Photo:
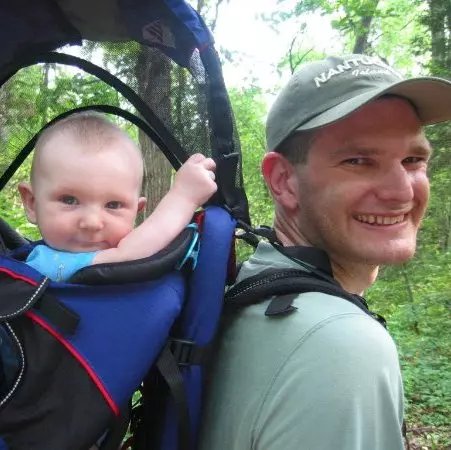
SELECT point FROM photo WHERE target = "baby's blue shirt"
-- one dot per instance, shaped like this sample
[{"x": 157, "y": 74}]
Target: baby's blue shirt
[{"x": 56, "y": 264}]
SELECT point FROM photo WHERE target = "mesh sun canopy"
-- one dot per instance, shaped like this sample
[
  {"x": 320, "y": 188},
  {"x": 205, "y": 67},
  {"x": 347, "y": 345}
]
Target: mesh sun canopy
[{"x": 151, "y": 62}]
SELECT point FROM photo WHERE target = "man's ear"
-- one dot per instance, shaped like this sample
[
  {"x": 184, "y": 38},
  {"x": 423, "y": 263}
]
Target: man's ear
[
  {"x": 142, "y": 202},
  {"x": 282, "y": 180},
  {"x": 28, "y": 201}
]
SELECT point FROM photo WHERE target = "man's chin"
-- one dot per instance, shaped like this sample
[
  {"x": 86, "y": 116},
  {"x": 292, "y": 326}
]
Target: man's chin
[{"x": 392, "y": 256}]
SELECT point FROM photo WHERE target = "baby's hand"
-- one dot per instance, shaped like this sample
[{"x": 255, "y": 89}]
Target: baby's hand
[{"x": 195, "y": 179}]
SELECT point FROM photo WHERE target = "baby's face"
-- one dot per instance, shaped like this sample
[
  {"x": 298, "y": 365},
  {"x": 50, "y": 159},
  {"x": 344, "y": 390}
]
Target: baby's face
[{"x": 85, "y": 200}]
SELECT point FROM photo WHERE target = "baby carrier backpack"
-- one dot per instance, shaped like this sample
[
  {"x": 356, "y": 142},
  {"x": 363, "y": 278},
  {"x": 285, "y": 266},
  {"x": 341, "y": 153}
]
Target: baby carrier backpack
[{"x": 114, "y": 357}]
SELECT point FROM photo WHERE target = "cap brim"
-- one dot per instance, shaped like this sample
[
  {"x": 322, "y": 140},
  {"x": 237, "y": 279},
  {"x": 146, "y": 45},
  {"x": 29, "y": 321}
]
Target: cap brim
[{"x": 430, "y": 96}]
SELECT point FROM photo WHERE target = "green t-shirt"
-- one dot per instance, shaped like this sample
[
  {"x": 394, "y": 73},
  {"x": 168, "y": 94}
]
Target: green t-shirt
[{"x": 326, "y": 377}]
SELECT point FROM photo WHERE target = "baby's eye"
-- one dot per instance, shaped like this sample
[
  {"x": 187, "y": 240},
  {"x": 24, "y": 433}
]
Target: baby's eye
[
  {"x": 68, "y": 200},
  {"x": 114, "y": 205}
]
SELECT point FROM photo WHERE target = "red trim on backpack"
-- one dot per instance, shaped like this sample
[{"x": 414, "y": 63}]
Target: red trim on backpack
[
  {"x": 18, "y": 277},
  {"x": 199, "y": 219},
  {"x": 79, "y": 358}
]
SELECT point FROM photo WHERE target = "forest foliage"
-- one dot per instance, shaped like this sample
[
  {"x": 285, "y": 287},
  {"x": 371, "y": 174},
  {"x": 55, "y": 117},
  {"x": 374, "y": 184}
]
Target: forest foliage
[{"x": 415, "y": 298}]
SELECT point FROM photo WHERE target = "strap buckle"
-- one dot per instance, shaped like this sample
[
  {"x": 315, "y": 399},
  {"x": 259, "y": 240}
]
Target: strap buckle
[{"x": 187, "y": 352}]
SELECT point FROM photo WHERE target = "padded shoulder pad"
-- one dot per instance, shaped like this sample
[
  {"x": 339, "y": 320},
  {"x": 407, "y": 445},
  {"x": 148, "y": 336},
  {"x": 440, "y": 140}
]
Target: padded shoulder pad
[
  {"x": 9, "y": 237},
  {"x": 139, "y": 270}
]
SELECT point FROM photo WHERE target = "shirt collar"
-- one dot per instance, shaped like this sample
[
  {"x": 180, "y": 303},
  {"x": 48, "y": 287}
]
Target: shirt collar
[{"x": 313, "y": 256}]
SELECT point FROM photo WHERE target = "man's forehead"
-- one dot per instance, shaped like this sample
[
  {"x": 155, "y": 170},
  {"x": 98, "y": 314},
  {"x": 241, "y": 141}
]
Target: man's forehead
[
  {"x": 374, "y": 122},
  {"x": 385, "y": 112}
]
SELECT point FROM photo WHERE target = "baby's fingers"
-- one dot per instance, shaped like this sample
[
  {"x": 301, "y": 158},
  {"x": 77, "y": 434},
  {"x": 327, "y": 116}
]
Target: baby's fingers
[
  {"x": 209, "y": 164},
  {"x": 196, "y": 158}
]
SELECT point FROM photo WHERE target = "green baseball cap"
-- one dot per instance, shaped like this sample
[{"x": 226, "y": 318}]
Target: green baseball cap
[{"x": 323, "y": 92}]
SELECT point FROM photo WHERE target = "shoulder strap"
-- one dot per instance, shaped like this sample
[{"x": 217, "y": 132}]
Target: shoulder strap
[{"x": 286, "y": 284}]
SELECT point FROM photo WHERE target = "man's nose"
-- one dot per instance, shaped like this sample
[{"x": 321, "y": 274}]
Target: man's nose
[
  {"x": 396, "y": 183},
  {"x": 91, "y": 220}
]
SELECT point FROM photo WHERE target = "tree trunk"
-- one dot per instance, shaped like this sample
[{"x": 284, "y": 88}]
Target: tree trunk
[
  {"x": 153, "y": 74},
  {"x": 414, "y": 324},
  {"x": 362, "y": 30},
  {"x": 439, "y": 23},
  {"x": 361, "y": 40},
  {"x": 44, "y": 93}
]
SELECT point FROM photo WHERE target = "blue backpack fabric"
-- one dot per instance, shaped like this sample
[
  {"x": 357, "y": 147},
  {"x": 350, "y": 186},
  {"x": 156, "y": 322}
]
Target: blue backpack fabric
[{"x": 193, "y": 341}]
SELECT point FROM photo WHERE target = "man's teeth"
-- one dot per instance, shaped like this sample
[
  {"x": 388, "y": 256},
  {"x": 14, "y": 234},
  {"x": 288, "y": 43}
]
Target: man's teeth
[{"x": 380, "y": 220}]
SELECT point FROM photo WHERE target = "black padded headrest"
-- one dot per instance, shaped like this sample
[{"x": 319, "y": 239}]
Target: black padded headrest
[
  {"x": 10, "y": 239},
  {"x": 139, "y": 270}
]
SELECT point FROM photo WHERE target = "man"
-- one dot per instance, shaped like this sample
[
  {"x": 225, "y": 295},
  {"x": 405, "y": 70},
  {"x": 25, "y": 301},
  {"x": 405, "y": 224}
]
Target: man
[{"x": 346, "y": 167}]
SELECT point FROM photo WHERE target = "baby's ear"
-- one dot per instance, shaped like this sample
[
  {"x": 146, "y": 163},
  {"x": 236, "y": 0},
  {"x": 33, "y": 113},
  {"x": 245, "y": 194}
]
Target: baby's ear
[
  {"x": 28, "y": 200},
  {"x": 142, "y": 202}
]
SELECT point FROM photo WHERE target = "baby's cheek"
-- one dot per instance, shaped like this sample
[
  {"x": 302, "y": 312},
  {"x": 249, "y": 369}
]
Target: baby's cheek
[{"x": 121, "y": 230}]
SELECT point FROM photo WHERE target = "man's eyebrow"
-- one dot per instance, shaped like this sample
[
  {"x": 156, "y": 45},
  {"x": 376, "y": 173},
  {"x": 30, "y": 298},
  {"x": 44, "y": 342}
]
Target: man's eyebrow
[
  {"x": 354, "y": 150},
  {"x": 423, "y": 150}
]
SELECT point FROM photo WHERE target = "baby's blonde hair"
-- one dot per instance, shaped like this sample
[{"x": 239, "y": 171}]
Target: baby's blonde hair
[{"x": 88, "y": 127}]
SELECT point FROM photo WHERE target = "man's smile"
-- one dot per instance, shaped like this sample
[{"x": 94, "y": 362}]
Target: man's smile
[{"x": 374, "y": 219}]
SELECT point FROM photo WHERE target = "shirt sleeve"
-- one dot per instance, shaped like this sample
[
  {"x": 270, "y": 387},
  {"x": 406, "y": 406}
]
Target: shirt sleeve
[{"x": 340, "y": 388}]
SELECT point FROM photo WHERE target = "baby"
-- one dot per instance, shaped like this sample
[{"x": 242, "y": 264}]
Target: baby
[{"x": 84, "y": 195}]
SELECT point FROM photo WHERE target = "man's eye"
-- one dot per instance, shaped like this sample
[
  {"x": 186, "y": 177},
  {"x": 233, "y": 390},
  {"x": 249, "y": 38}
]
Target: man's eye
[
  {"x": 68, "y": 200},
  {"x": 114, "y": 205},
  {"x": 355, "y": 161},
  {"x": 415, "y": 160}
]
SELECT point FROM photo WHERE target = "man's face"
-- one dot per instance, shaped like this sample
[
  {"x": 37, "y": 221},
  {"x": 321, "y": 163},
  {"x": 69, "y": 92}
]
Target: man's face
[
  {"x": 364, "y": 189},
  {"x": 84, "y": 199}
]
